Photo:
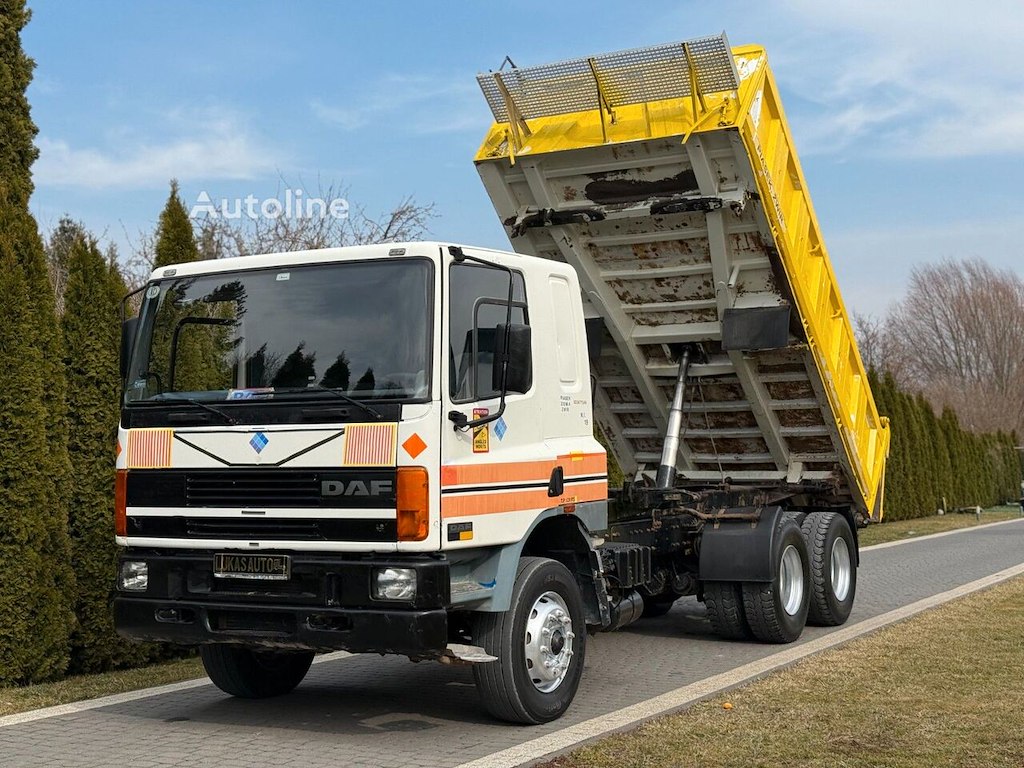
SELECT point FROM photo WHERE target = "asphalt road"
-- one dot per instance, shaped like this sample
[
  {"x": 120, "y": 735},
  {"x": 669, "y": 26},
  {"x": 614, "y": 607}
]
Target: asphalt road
[{"x": 373, "y": 711}]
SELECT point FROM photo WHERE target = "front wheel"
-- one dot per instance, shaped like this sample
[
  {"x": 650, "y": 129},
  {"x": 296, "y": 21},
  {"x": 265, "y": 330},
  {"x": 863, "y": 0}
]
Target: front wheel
[
  {"x": 251, "y": 674},
  {"x": 539, "y": 644}
]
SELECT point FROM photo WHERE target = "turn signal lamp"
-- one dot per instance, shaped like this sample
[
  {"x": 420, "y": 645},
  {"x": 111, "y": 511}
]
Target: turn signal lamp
[
  {"x": 121, "y": 502},
  {"x": 413, "y": 504}
]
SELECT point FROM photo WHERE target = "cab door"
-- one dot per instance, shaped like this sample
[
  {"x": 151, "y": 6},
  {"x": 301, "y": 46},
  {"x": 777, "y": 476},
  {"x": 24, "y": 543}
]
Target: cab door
[{"x": 492, "y": 476}]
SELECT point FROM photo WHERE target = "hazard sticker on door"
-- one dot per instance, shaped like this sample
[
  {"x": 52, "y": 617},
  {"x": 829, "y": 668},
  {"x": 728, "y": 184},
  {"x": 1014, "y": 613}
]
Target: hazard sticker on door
[{"x": 482, "y": 434}]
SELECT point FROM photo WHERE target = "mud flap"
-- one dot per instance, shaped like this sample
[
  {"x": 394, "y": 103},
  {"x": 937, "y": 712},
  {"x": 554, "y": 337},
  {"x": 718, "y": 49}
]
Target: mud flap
[{"x": 739, "y": 550}]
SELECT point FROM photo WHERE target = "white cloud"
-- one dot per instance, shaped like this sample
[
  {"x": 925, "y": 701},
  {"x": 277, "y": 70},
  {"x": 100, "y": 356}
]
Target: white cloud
[
  {"x": 417, "y": 104},
  {"x": 200, "y": 144},
  {"x": 914, "y": 79}
]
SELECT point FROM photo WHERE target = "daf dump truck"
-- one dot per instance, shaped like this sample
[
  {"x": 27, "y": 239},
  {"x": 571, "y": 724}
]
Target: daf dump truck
[{"x": 390, "y": 448}]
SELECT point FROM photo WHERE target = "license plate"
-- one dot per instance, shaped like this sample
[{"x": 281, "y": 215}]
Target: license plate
[{"x": 243, "y": 566}]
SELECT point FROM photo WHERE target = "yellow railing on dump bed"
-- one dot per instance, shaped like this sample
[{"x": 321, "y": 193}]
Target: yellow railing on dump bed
[{"x": 572, "y": 122}]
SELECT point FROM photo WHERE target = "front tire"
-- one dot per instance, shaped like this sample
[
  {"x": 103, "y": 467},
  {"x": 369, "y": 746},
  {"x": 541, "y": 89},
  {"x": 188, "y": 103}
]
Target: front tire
[
  {"x": 251, "y": 674},
  {"x": 832, "y": 552},
  {"x": 539, "y": 644},
  {"x": 777, "y": 611}
]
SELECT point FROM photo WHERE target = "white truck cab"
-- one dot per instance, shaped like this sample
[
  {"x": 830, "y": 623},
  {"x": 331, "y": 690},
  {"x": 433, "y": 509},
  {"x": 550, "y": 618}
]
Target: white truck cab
[{"x": 332, "y": 449}]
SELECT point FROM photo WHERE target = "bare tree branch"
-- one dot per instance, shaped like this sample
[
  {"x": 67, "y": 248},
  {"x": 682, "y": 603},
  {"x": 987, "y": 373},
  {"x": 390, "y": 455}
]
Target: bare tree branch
[
  {"x": 958, "y": 337},
  {"x": 138, "y": 265}
]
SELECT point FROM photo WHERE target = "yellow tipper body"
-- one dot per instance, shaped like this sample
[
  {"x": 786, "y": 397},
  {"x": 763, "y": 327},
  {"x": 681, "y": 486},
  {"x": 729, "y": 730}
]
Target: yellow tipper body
[{"x": 668, "y": 177}]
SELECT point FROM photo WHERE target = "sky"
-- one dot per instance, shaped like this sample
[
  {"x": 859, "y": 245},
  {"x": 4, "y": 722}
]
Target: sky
[{"x": 908, "y": 117}]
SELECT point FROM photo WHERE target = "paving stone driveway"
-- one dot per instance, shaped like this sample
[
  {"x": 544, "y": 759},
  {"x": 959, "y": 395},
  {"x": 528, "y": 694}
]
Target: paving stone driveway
[{"x": 373, "y": 711}]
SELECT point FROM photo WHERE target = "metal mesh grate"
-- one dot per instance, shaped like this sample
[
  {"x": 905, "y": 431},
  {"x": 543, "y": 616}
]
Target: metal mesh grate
[
  {"x": 627, "y": 77},
  {"x": 716, "y": 69}
]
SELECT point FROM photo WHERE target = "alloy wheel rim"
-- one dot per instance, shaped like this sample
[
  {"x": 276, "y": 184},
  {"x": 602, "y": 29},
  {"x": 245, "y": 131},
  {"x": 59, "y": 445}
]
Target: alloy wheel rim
[
  {"x": 548, "y": 642},
  {"x": 791, "y": 580},
  {"x": 841, "y": 569}
]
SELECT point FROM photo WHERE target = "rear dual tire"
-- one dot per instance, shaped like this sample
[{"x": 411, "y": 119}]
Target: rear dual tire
[
  {"x": 777, "y": 611},
  {"x": 832, "y": 551},
  {"x": 724, "y": 602},
  {"x": 772, "y": 612}
]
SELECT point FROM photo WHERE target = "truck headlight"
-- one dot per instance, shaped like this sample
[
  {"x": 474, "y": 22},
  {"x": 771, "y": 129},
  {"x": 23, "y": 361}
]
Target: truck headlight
[
  {"x": 394, "y": 584},
  {"x": 134, "y": 576}
]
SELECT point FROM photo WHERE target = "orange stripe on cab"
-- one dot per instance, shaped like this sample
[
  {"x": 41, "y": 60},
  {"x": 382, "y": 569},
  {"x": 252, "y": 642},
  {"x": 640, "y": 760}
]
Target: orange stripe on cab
[
  {"x": 465, "y": 505},
  {"x": 523, "y": 471}
]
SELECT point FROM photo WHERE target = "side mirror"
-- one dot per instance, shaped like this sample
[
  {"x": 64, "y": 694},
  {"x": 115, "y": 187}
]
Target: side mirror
[
  {"x": 515, "y": 341},
  {"x": 128, "y": 328}
]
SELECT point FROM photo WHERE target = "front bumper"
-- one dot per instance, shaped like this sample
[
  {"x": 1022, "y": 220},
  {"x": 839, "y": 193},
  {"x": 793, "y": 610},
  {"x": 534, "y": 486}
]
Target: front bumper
[{"x": 326, "y": 605}]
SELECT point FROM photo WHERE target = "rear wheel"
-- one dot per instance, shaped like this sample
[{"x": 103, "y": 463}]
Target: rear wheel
[
  {"x": 539, "y": 644},
  {"x": 832, "y": 553},
  {"x": 724, "y": 601},
  {"x": 777, "y": 611},
  {"x": 251, "y": 674},
  {"x": 794, "y": 516}
]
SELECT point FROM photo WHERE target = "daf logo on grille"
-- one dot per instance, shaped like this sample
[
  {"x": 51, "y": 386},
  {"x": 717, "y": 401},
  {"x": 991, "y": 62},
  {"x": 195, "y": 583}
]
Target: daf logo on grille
[{"x": 356, "y": 488}]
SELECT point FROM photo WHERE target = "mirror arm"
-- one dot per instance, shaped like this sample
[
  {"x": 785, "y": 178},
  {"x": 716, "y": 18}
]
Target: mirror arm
[
  {"x": 128, "y": 297},
  {"x": 458, "y": 418}
]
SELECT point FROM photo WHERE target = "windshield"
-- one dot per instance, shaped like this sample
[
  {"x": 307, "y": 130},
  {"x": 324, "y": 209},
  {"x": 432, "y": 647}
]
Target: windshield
[{"x": 357, "y": 329}]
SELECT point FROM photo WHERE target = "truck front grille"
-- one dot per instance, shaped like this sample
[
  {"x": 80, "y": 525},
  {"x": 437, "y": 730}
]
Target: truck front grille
[
  {"x": 263, "y": 528},
  {"x": 263, "y": 488},
  {"x": 257, "y": 488}
]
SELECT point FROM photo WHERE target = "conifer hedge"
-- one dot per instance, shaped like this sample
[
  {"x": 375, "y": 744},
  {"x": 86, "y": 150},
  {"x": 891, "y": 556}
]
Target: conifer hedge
[
  {"x": 935, "y": 464},
  {"x": 91, "y": 327},
  {"x": 36, "y": 580}
]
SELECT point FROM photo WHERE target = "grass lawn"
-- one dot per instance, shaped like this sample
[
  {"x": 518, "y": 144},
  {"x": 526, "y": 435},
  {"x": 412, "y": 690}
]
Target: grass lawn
[
  {"x": 83, "y": 687},
  {"x": 922, "y": 526},
  {"x": 941, "y": 689}
]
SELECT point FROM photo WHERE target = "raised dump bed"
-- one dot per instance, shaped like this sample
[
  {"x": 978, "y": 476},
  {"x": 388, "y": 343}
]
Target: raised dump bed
[{"x": 667, "y": 177}]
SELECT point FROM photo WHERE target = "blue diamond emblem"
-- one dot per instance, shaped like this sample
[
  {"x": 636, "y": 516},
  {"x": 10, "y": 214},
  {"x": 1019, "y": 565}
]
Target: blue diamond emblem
[
  {"x": 259, "y": 442},
  {"x": 500, "y": 428}
]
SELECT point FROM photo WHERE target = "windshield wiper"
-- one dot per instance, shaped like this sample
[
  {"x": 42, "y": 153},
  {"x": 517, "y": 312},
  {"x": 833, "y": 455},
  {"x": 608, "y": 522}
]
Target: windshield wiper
[
  {"x": 340, "y": 393},
  {"x": 205, "y": 406}
]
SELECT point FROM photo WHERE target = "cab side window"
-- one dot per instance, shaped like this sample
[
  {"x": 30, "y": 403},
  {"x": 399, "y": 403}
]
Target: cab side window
[{"x": 478, "y": 304}]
